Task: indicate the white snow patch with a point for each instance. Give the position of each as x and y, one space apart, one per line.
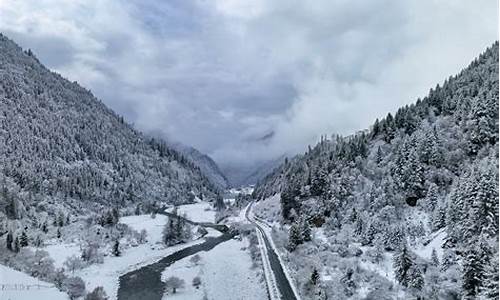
225 273
247 190
15 285
197 212
153 226
60 252
383 268
437 241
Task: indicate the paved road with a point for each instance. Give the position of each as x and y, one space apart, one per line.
281 279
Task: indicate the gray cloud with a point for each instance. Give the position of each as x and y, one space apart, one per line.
249 80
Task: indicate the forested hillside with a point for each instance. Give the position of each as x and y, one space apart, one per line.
429 170
206 164
64 150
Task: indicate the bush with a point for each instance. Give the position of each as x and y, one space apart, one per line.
75 287
74 263
196 282
174 283
97 294
195 259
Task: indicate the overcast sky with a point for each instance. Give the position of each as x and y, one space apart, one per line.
251 79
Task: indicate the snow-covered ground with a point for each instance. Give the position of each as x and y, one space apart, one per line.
108 273
268 209
197 212
225 272
425 251
383 268
15 285
247 190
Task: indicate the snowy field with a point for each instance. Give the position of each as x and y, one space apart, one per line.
197 212
225 272
15 285
108 273
425 251
247 190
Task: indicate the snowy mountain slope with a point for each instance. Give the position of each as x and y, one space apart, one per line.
62 146
206 164
423 178
245 175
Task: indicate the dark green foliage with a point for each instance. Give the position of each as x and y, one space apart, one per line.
23 241
294 237
9 240
314 277
402 262
116 249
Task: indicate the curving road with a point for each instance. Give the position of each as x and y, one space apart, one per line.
282 282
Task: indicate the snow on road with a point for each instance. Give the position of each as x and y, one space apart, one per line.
266 230
15 285
225 272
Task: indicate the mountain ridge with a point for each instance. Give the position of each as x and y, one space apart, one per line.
64 147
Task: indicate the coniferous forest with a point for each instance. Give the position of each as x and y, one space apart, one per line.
429 170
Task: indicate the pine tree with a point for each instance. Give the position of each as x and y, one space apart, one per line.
413 176
472 273
11 209
116 248
449 259
44 227
434 258
16 247
439 216
379 156
490 282
402 261
9 240
288 198
23 241
306 230
314 277
414 280
294 237
432 198
319 183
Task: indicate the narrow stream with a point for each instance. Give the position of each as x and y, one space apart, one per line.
145 283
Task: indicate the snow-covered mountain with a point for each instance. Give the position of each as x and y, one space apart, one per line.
249 174
206 164
63 148
424 177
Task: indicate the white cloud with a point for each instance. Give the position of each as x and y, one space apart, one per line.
220 75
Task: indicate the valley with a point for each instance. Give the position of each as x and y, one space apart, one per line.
91 208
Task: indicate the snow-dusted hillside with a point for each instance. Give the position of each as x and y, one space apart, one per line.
64 149
408 208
